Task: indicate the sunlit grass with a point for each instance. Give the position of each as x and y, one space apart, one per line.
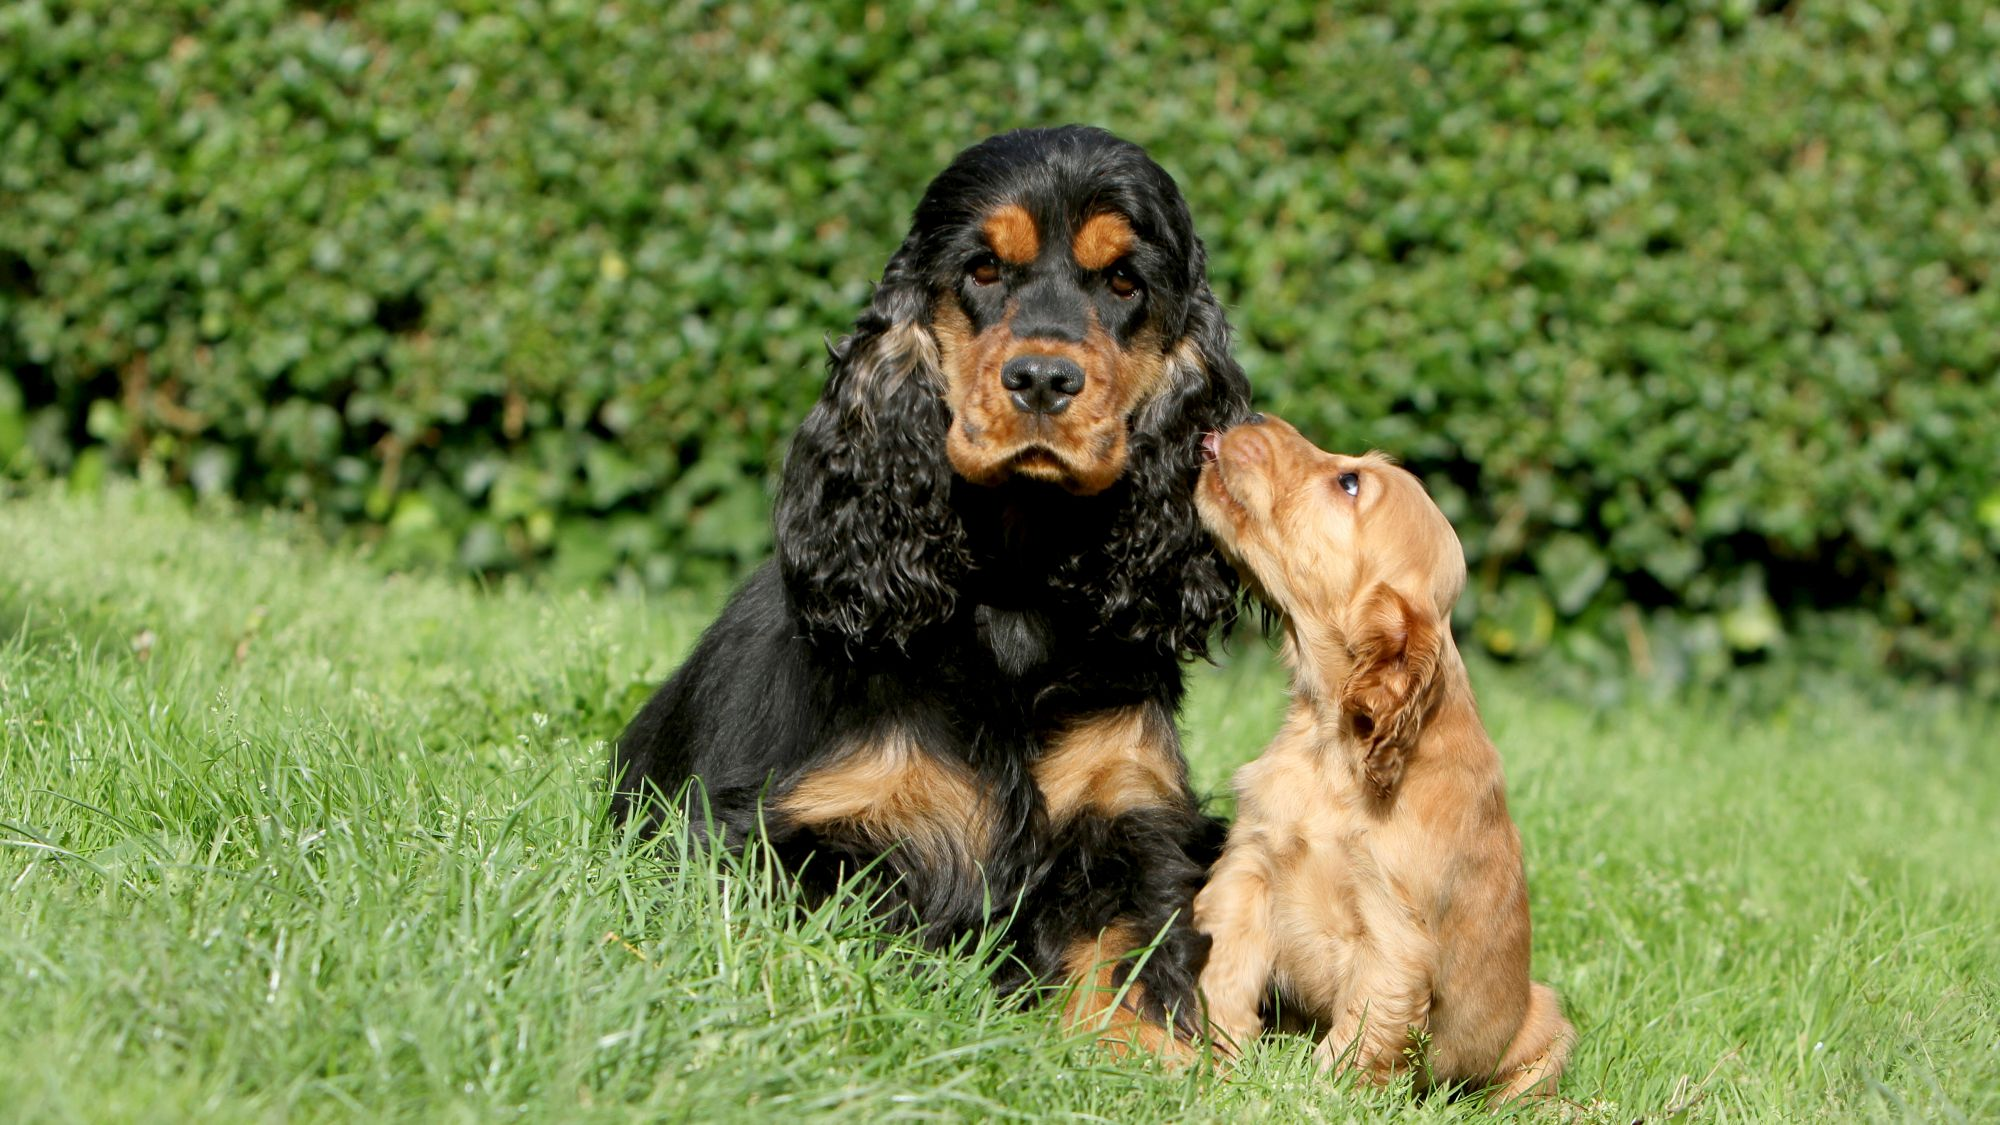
281 838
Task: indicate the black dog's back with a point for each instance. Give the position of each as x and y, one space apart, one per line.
737 714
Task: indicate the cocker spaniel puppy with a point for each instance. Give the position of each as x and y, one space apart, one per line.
965 660
1373 875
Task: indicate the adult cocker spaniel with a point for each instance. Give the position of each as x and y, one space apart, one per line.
1373 875
965 660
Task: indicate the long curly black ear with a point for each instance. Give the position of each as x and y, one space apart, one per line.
870 547
1169 584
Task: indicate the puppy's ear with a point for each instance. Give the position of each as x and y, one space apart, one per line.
870 546
1396 649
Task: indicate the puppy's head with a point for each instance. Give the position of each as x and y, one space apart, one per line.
1062 267
1316 530
1354 550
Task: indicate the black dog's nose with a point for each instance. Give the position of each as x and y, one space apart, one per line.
1041 384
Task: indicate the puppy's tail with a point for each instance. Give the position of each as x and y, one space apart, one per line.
1540 1050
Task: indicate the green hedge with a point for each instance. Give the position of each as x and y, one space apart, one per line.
1687 311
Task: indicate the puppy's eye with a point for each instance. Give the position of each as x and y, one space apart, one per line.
1122 280
1350 483
983 270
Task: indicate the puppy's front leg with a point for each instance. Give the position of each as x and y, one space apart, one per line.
1234 910
1388 1001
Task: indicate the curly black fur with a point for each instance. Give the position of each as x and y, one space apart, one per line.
977 621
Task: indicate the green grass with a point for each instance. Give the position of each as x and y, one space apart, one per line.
283 839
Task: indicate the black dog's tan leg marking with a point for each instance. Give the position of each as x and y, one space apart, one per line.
1113 762
1105 766
1095 1002
891 792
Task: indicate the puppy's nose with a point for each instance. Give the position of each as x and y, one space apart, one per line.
1041 384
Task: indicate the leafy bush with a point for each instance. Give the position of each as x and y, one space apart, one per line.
1685 310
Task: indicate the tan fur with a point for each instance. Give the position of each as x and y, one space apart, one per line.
1011 233
1083 449
1103 239
1373 875
1106 764
1111 763
891 792
1095 1002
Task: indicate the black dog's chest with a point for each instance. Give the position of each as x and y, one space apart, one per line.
1018 640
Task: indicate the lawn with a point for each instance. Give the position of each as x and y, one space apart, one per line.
285 839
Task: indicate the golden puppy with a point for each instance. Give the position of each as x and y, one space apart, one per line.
1372 875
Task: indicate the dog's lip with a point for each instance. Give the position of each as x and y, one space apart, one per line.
1039 462
1037 455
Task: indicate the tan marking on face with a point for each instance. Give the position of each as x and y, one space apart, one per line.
1083 449
1011 233
1103 239
1112 763
891 792
1095 1003
952 330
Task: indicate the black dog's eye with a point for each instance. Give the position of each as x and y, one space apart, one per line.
1350 483
983 270
1122 280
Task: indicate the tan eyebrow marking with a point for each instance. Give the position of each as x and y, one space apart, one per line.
1103 239
1010 231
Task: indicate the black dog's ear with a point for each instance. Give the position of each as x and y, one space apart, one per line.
1167 584
870 547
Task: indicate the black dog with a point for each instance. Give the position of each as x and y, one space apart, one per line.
966 657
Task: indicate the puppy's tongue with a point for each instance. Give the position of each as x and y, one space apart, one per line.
1211 446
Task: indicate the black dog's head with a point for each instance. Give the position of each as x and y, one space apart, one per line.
1048 319
1060 265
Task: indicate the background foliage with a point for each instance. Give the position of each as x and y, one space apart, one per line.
1685 310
